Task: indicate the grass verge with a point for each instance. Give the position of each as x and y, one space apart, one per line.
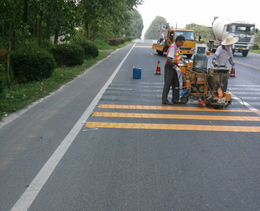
256 51
21 95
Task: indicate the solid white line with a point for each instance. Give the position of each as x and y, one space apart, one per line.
27 198
245 104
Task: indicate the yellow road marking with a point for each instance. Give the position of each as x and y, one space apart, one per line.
143 46
172 127
248 65
171 108
175 116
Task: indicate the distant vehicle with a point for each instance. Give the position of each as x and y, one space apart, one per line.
167 37
223 27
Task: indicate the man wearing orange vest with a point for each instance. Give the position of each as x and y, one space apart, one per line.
171 67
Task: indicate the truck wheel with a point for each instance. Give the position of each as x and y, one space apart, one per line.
244 53
160 52
189 56
184 100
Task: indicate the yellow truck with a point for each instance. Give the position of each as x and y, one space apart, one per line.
168 36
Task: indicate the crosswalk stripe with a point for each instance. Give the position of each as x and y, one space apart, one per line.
172 127
172 108
175 116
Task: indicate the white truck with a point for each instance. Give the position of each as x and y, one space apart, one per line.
223 27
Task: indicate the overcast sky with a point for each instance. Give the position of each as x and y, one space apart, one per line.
201 12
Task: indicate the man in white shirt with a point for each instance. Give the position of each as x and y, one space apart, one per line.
224 52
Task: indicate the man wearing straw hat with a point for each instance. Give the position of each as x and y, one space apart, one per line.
224 52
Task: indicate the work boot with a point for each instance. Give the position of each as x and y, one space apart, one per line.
176 102
166 102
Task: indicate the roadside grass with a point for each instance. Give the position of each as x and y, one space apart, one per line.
256 51
105 46
23 94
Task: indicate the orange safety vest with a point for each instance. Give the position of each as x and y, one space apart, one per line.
177 55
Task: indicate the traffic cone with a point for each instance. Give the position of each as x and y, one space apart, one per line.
232 72
201 102
158 69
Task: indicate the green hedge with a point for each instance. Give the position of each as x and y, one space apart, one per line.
127 39
90 49
116 41
255 47
32 63
68 54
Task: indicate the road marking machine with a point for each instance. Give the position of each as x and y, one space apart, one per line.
207 85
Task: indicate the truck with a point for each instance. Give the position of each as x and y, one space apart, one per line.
223 27
168 35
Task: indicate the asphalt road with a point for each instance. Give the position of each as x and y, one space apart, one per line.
105 142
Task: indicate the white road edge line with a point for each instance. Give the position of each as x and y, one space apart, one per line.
27 198
245 104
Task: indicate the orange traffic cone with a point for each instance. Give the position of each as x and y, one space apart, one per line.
158 69
232 72
201 102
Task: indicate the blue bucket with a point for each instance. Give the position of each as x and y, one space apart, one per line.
137 72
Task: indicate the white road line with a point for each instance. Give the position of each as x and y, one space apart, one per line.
245 104
27 198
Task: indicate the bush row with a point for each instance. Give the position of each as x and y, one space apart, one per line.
116 41
33 63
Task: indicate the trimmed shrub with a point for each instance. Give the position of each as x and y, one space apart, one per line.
47 45
117 41
127 39
255 47
90 49
32 63
68 54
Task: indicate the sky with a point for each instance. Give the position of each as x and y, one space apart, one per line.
182 12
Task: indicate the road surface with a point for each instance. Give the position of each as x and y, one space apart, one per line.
105 142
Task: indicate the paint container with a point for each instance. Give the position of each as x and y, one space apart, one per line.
137 72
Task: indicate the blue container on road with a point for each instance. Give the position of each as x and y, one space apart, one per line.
137 72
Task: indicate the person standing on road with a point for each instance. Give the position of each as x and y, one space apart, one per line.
224 52
171 67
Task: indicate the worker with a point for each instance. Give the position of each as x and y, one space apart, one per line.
224 52
171 67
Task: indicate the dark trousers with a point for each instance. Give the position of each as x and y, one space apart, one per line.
170 80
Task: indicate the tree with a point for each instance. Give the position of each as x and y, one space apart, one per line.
135 26
204 31
58 17
152 31
98 12
12 27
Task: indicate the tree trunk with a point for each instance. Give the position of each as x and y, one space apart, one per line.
56 37
48 29
25 11
39 29
9 50
35 29
86 29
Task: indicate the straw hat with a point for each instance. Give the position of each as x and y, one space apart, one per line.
229 40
